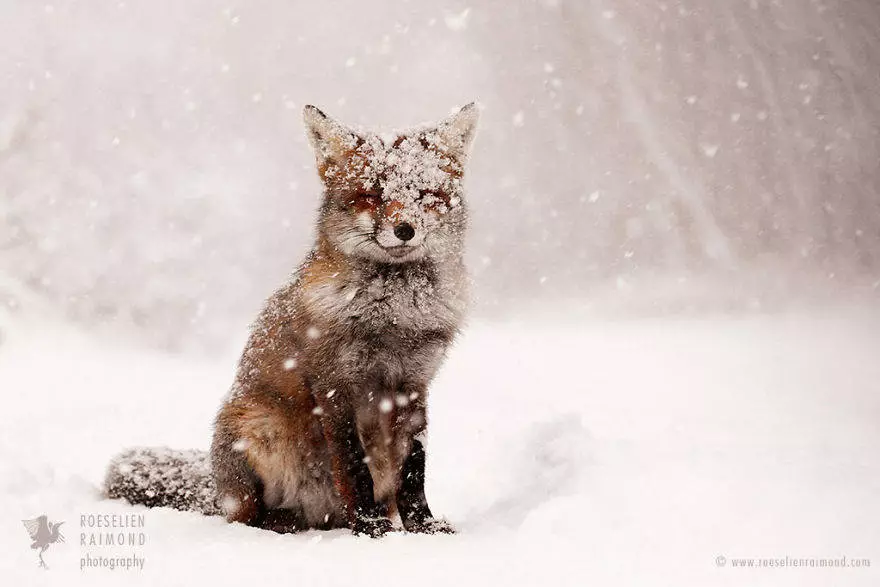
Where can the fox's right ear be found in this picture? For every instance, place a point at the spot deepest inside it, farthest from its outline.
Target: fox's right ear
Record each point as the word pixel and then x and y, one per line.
pixel 329 139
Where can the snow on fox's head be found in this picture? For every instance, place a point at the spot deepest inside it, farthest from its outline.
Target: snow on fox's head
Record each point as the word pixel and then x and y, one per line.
pixel 393 198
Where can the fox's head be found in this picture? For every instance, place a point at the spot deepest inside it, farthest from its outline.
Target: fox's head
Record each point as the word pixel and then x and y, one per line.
pixel 393 198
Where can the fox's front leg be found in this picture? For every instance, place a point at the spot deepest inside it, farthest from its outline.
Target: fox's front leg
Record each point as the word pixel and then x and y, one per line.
pixel 351 476
pixel 411 501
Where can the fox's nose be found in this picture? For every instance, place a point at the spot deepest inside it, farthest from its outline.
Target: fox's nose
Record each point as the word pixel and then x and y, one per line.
pixel 404 231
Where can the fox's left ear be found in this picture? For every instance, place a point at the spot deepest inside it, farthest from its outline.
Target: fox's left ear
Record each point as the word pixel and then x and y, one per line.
pixel 457 132
pixel 330 139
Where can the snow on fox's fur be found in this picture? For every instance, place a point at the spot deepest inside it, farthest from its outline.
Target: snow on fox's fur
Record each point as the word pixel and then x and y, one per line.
pixel 323 426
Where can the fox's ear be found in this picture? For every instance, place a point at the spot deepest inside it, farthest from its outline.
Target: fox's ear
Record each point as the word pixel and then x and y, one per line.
pixel 457 132
pixel 329 138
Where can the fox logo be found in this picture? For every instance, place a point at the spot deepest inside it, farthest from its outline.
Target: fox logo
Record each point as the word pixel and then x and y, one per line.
pixel 325 422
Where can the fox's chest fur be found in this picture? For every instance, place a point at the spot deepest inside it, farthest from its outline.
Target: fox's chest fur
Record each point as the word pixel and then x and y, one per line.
pixel 378 300
pixel 381 332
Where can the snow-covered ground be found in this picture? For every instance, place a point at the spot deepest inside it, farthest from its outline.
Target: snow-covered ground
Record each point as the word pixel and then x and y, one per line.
pixel 590 453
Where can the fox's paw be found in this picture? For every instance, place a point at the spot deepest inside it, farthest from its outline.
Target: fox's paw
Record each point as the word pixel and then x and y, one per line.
pixel 372 527
pixel 429 526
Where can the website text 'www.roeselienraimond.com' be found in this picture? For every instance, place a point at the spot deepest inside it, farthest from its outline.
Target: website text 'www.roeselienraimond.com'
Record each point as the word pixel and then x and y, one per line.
pixel 793 562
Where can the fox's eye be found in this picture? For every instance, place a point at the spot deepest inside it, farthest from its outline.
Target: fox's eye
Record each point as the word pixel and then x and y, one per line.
pixel 434 199
pixel 366 201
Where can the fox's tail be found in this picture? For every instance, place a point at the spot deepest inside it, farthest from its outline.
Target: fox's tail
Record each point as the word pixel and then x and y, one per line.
pixel 161 477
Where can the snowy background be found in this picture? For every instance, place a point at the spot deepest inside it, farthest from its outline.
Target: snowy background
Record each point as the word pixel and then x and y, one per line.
pixel 675 240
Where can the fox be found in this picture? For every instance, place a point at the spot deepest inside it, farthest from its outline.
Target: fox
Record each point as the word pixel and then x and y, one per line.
pixel 324 426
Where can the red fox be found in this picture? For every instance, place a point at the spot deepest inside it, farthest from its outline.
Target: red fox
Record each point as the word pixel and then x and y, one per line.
pixel 323 427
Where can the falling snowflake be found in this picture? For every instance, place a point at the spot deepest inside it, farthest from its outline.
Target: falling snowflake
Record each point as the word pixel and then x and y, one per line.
pixel 457 22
